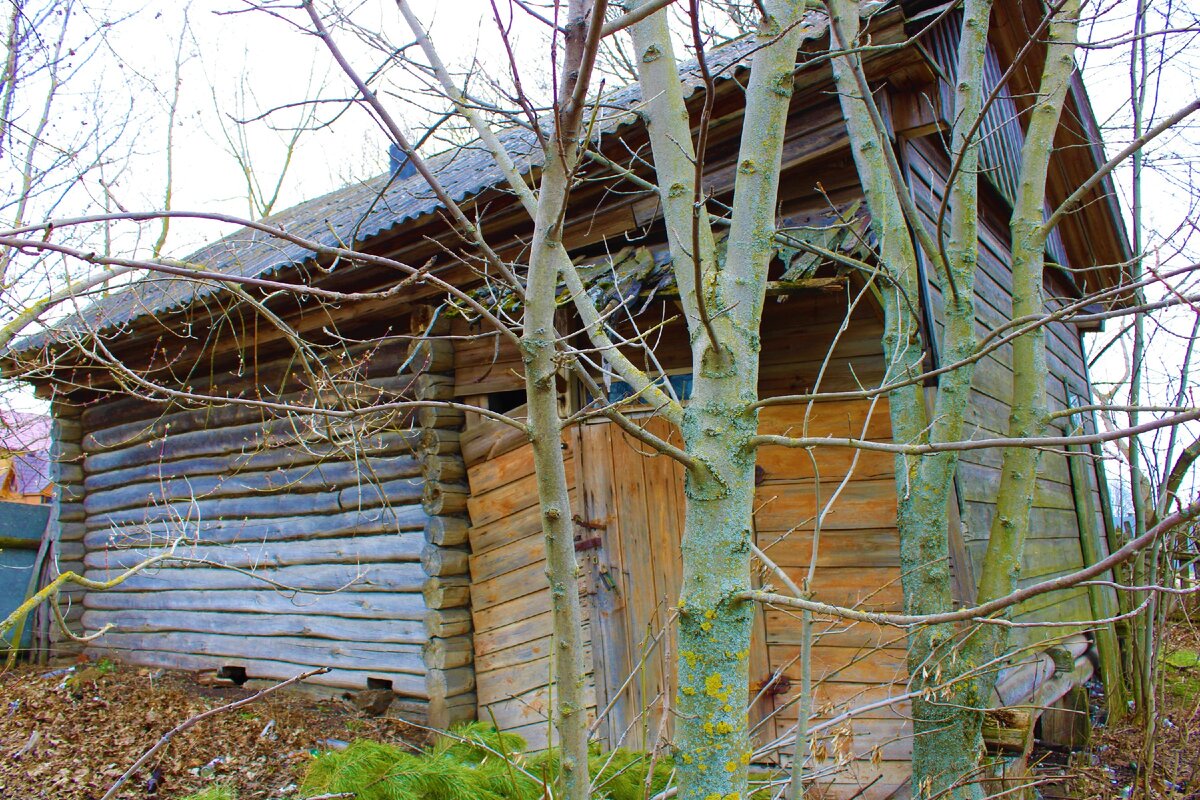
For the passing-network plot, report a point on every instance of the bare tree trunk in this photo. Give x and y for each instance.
(539, 348)
(721, 420)
(947, 725)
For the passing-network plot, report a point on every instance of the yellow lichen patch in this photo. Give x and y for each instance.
(733, 796)
(746, 757)
(713, 687)
(690, 658)
(688, 690)
(708, 728)
(710, 614)
(731, 766)
(706, 626)
(724, 727)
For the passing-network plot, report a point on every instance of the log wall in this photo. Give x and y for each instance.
(308, 541)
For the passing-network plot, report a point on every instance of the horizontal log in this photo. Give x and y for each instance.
(226, 531)
(62, 408)
(389, 493)
(266, 669)
(440, 417)
(67, 473)
(446, 469)
(403, 658)
(68, 552)
(383, 444)
(71, 531)
(310, 625)
(65, 452)
(448, 622)
(71, 512)
(352, 605)
(445, 713)
(315, 478)
(348, 437)
(433, 387)
(1017, 683)
(448, 653)
(441, 499)
(446, 592)
(438, 561)
(66, 429)
(431, 355)
(447, 531)
(307, 578)
(442, 683)
(218, 415)
(258, 555)
(291, 505)
(254, 379)
(437, 442)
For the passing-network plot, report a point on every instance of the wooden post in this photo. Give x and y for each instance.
(65, 531)
(1103, 604)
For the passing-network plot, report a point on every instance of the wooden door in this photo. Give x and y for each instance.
(630, 534)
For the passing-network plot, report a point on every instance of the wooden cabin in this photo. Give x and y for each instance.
(404, 550)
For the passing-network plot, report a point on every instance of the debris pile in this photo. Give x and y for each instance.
(68, 734)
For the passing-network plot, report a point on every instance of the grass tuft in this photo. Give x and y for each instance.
(218, 791)
(474, 762)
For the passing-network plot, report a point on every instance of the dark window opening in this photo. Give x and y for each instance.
(379, 683)
(503, 402)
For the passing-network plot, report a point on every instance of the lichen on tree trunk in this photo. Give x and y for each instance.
(720, 420)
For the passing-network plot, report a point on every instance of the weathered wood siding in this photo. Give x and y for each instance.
(1053, 547)
(629, 507)
(66, 527)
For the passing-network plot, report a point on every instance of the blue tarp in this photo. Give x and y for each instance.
(25, 523)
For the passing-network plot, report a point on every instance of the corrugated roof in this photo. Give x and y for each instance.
(353, 215)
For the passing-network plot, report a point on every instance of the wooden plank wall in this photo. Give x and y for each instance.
(510, 594)
(632, 504)
(858, 565)
(335, 510)
(1053, 547)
